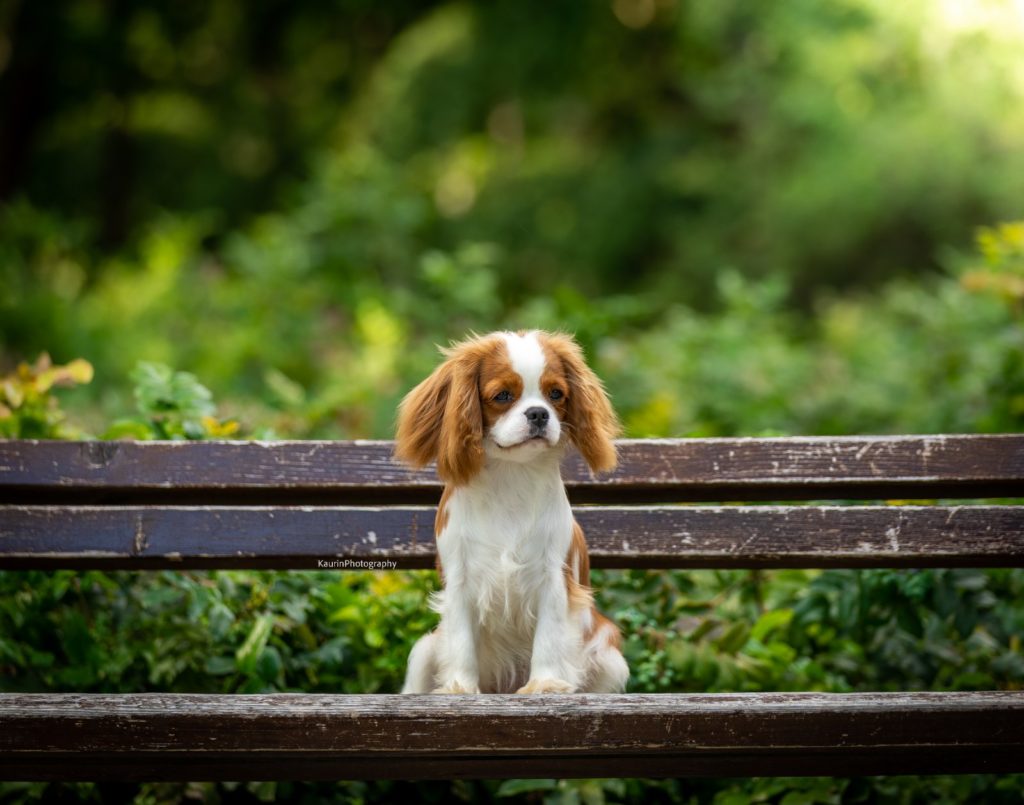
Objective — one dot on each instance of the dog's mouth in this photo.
(537, 438)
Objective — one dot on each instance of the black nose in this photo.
(537, 417)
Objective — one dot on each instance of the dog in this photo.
(517, 614)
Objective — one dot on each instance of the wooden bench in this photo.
(286, 505)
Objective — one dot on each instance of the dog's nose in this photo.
(537, 417)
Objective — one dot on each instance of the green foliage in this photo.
(937, 358)
(172, 405)
(754, 367)
(28, 409)
(828, 631)
(885, 129)
(386, 177)
(210, 632)
(1002, 270)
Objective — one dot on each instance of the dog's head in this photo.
(509, 397)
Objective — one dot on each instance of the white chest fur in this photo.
(506, 531)
(502, 551)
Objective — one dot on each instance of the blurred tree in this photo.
(115, 110)
(296, 201)
(635, 143)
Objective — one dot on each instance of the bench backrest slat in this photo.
(653, 470)
(161, 537)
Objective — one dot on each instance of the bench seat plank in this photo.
(157, 736)
(139, 537)
(650, 470)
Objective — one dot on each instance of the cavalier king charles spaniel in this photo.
(516, 608)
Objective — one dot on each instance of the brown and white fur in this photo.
(516, 609)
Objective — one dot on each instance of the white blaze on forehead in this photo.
(527, 357)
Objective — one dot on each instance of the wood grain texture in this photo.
(650, 470)
(139, 537)
(299, 736)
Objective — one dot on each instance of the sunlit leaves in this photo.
(28, 409)
(171, 405)
(1002, 274)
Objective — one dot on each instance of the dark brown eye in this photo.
(503, 396)
(556, 394)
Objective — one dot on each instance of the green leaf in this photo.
(249, 652)
(76, 638)
(909, 620)
(160, 391)
(769, 622)
(269, 666)
(220, 619)
(510, 788)
(798, 798)
(219, 666)
(734, 638)
(128, 429)
(704, 628)
(732, 798)
(285, 391)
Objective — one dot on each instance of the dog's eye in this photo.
(503, 396)
(556, 394)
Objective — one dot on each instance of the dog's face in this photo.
(523, 394)
(506, 397)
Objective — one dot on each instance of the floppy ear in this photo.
(419, 418)
(441, 420)
(460, 452)
(592, 424)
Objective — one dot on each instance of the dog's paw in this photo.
(456, 687)
(546, 686)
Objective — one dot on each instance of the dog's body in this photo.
(516, 609)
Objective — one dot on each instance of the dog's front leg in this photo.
(457, 658)
(554, 664)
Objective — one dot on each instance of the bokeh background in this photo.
(227, 219)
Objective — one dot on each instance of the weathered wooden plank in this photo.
(300, 736)
(651, 470)
(141, 537)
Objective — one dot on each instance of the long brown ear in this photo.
(419, 418)
(592, 424)
(441, 419)
(460, 451)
